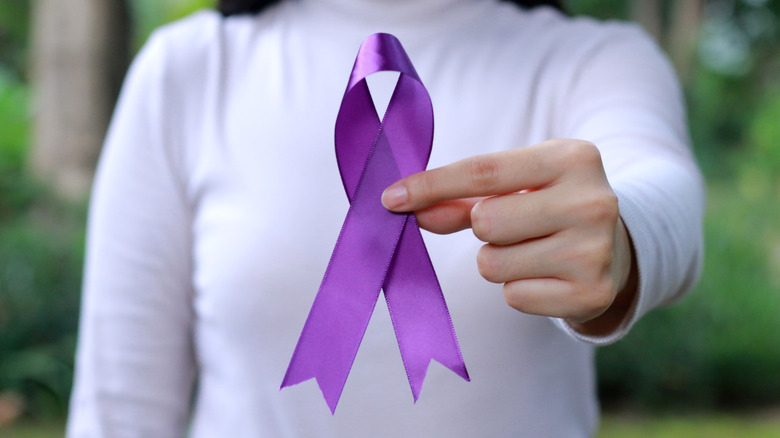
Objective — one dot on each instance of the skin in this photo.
(550, 223)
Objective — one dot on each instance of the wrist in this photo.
(626, 279)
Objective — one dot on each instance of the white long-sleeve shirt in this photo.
(218, 202)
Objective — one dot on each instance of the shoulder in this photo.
(198, 44)
(558, 47)
(556, 33)
(568, 49)
(194, 29)
(184, 46)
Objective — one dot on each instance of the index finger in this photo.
(491, 174)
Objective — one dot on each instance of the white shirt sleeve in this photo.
(626, 99)
(135, 361)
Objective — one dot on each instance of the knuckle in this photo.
(421, 188)
(590, 256)
(600, 253)
(601, 297)
(573, 154)
(591, 260)
(484, 171)
(601, 209)
(595, 299)
(425, 183)
(581, 151)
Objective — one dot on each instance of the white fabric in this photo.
(218, 202)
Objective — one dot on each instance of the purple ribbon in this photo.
(378, 249)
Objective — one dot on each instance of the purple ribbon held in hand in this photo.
(378, 249)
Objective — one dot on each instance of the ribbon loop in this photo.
(377, 249)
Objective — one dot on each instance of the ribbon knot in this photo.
(376, 249)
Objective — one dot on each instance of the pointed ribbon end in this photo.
(330, 391)
(461, 371)
(416, 381)
(456, 366)
(331, 395)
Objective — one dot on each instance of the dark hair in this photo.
(235, 7)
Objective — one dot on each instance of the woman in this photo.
(218, 202)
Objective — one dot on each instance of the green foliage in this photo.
(601, 9)
(38, 429)
(719, 109)
(13, 146)
(13, 111)
(14, 19)
(724, 426)
(150, 14)
(40, 268)
(717, 348)
(762, 153)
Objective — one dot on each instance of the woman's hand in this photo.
(551, 224)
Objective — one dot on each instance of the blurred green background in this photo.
(708, 366)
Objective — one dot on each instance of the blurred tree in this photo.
(79, 54)
(649, 14)
(683, 32)
(675, 25)
(14, 16)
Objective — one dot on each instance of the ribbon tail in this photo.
(330, 340)
(421, 320)
(350, 288)
(328, 344)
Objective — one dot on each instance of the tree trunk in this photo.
(683, 33)
(80, 51)
(649, 14)
(678, 33)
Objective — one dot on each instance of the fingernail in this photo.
(394, 196)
